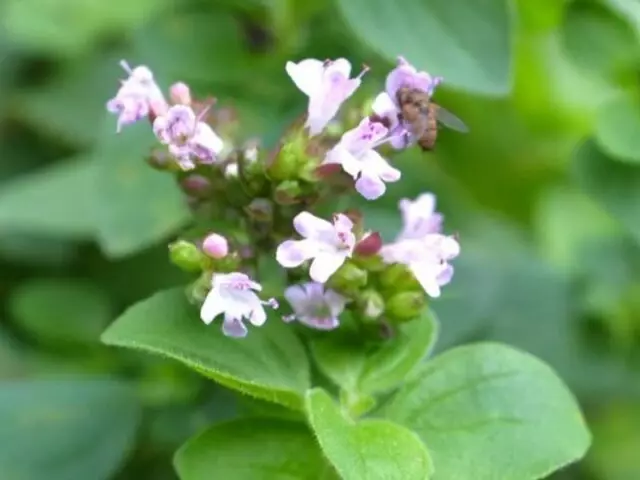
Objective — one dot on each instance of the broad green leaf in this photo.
(90, 83)
(630, 11)
(65, 429)
(252, 449)
(371, 449)
(617, 129)
(358, 369)
(70, 26)
(614, 185)
(488, 411)
(467, 42)
(57, 200)
(61, 310)
(598, 41)
(270, 363)
(137, 206)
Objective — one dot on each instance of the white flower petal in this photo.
(213, 306)
(233, 327)
(297, 297)
(341, 66)
(370, 186)
(306, 74)
(292, 253)
(310, 226)
(426, 274)
(324, 265)
(258, 316)
(206, 138)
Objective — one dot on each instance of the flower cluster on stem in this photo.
(253, 207)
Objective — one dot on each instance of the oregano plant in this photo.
(296, 302)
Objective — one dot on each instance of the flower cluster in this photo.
(264, 204)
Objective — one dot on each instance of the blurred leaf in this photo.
(137, 206)
(360, 370)
(270, 363)
(488, 411)
(56, 200)
(617, 129)
(65, 429)
(371, 449)
(71, 105)
(70, 27)
(615, 185)
(61, 310)
(252, 449)
(614, 455)
(36, 250)
(568, 222)
(468, 43)
(598, 41)
(630, 11)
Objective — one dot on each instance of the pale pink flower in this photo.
(355, 152)
(215, 246)
(137, 96)
(328, 244)
(189, 139)
(314, 305)
(234, 296)
(419, 217)
(327, 84)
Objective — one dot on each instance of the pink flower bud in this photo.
(216, 246)
(196, 184)
(180, 93)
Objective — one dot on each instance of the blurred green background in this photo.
(544, 191)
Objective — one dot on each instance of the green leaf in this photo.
(371, 449)
(614, 185)
(358, 369)
(467, 42)
(61, 310)
(270, 363)
(137, 206)
(70, 26)
(65, 429)
(488, 411)
(617, 129)
(57, 200)
(252, 449)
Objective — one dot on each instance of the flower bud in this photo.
(348, 279)
(397, 278)
(186, 256)
(371, 304)
(370, 245)
(231, 170)
(287, 192)
(291, 155)
(180, 93)
(260, 209)
(196, 185)
(216, 246)
(406, 306)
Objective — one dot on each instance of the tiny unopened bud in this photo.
(260, 209)
(180, 93)
(196, 185)
(287, 192)
(216, 246)
(348, 279)
(371, 304)
(186, 255)
(405, 306)
(231, 170)
(398, 277)
(369, 245)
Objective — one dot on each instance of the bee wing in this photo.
(449, 120)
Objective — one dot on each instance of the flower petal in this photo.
(385, 107)
(233, 327)
(306, 74)
(310, 226)
(324, 265)
(258, 315)
(213, 306)
(292, 253)
(335, 301)
(340, 66)
(320, 323)
(370, 186)
(426, 274)
(297, 297)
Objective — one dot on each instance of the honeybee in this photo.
(423, 116)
